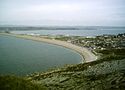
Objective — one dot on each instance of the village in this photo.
(101, 42)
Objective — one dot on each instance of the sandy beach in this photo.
(87, 55)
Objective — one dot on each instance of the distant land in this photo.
(21, 27)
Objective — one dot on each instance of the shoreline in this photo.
(87, 56)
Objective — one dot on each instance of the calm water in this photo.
(21, 57)
(73, 32)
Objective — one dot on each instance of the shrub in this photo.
(18, 83)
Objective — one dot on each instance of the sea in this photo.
(84, 32)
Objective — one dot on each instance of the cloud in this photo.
(59, 12)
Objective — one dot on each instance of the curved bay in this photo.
(21, 57)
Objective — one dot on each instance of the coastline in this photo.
(87, 56)
(106, 73)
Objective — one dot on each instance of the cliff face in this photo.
(95, 76)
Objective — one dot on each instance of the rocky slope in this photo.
(105, 75)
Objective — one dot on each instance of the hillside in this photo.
(101, 76)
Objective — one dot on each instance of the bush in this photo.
(18, 83)
(114, 51)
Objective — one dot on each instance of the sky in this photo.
(63, 12)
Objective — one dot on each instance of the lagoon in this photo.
(20, 57)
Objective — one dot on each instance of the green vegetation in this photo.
(112, 51)
(111, 81)
(63, 38)
(112, 54)
(18, 83)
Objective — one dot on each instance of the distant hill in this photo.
(12, 27)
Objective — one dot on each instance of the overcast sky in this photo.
(62, 12)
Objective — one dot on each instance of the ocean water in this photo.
(74, 32)
(21, 57)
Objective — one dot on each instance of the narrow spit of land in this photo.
(86, 54)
